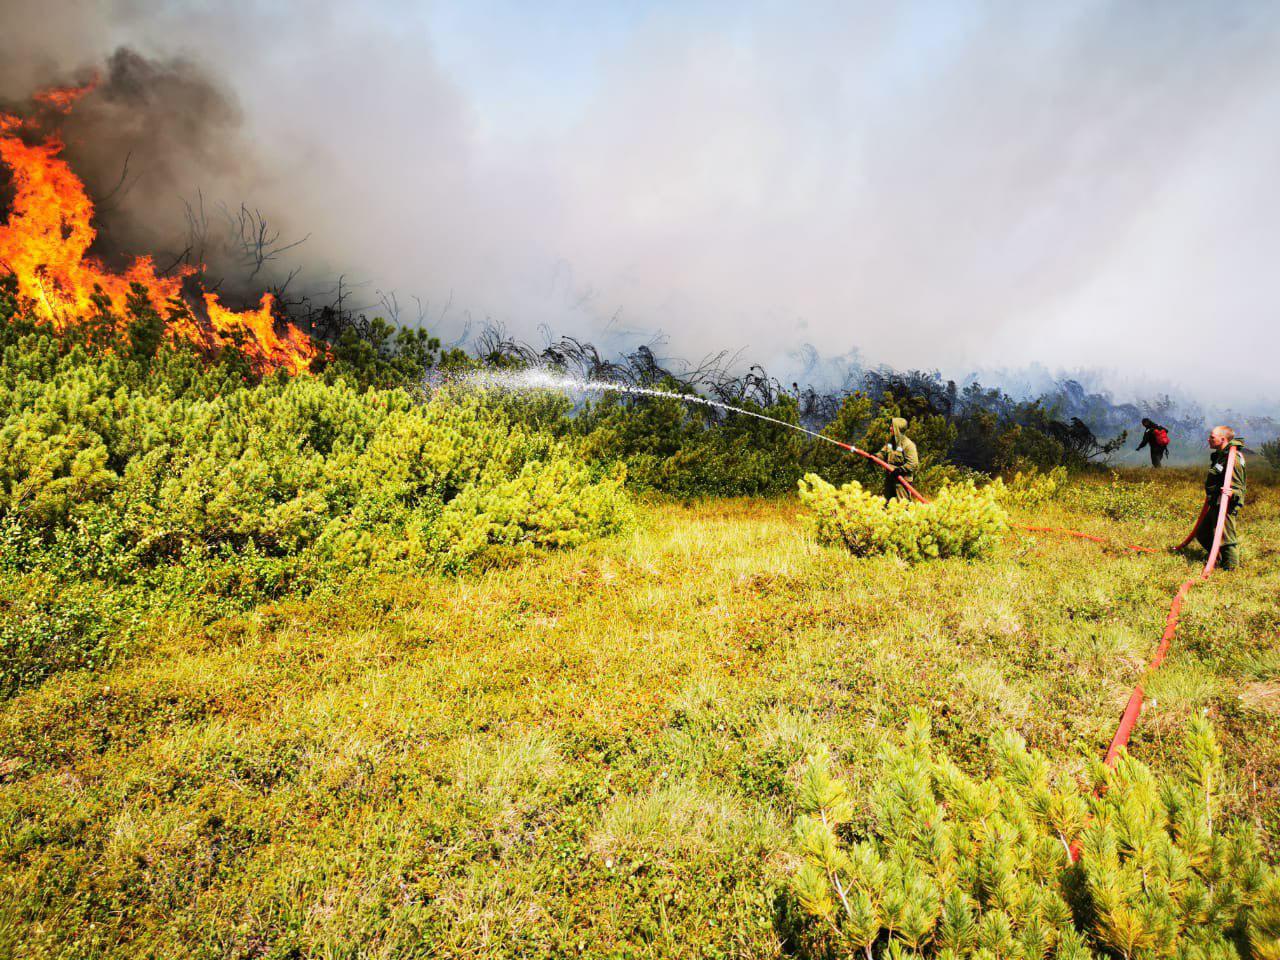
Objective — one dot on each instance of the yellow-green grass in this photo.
(593, 753)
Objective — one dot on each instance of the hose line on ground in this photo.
(1133, 708)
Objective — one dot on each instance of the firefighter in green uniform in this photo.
(900, 453)
(1222, 439)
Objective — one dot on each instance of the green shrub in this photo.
(552, 503)
(47, 625)
(1029, 489)
(1119, 500)
(963, 521)
(957, 866)
(164, 467)
(142, 469)
(688, 449)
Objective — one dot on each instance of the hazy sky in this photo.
(954, 185)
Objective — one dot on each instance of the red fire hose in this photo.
(887, 466)
(1133, 708)
(1070, 533)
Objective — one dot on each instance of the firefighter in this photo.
(900, 453)
(1156, 438)
(1222, 439)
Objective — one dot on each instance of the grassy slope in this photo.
(592, 753)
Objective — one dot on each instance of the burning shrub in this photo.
(963, 521)
(956, 866)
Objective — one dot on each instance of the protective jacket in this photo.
(1158, 449)
(1218, 472)
(1149, 437)
(900, 453)
(1229, 556)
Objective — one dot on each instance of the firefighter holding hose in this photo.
(900, 453)
(1221, 440)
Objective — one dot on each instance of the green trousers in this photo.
(892, 488)
(1229, 556)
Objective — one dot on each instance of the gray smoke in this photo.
(958, 185)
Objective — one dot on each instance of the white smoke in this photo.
(953, 185)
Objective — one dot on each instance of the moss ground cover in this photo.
(597, 751)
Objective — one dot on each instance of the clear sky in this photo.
(939, 184)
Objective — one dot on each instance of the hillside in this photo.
(594, 751)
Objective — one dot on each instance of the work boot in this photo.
(1229, 556)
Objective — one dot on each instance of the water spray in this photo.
(539, 379)
(533, 379)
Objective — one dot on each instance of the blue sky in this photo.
(527, 66)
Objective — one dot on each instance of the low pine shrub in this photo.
(552, 503)
(134, 476)
(1030, 488)
(963, 521)
(955, 866)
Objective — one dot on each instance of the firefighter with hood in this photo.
(1221, 440)
(1156, 438)
(900, 453)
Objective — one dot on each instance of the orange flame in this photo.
(62, 98)
(45, 245)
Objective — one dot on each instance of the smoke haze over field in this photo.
(954, 185)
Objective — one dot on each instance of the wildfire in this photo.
(62, 98)
(45, 245)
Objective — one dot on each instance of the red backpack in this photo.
(1160, 436)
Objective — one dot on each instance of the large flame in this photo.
(45, 245)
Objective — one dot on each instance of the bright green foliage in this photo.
(129, 473)
(1030, 488)
(551, 503)
(688, 450)
(1164, 875)
(955, 866)
(273, 465)
(962, 521)
(932, 434)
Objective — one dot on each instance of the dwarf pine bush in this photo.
(963, 521)
(955, 866)
(1030, 488)
(118, 468)
(551, 503)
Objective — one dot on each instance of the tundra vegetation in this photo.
(339, 666)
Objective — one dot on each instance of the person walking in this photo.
(1221, 441)
(900, 453)
(1156, 438)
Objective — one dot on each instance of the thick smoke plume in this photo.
(962, 185)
